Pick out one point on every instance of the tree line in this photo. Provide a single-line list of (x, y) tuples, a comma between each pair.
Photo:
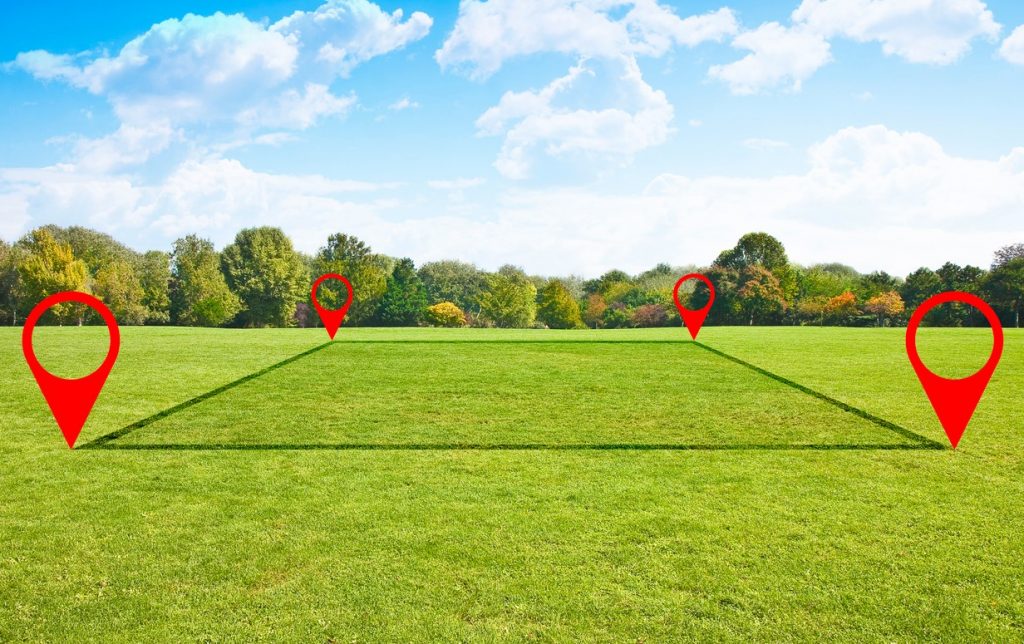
[(260, 280)]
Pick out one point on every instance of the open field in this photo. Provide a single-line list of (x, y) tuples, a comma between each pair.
[(419, 484)]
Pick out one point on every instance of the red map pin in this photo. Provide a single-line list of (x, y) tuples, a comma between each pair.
[(954, 400), (332, 319), (694, 319), (70, 399)]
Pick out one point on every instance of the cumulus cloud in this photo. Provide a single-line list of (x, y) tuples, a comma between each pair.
[(920, 31), (778, 55), (486, 34), (552, 117), (1012, 48), (230, 70), (871, 196)]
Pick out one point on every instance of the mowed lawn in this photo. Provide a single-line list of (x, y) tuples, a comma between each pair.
[(478, 484)]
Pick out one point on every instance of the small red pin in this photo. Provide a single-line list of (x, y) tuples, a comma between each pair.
[(332, 319), (694, 319), (954, 400), (70, 399)]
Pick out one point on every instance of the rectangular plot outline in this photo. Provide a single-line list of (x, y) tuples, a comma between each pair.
[(917, 441)]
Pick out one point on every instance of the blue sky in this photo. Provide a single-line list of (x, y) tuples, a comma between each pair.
[(560, 135)]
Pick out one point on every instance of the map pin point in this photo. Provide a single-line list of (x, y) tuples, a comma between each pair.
[(954, 400), (332, 319), (70, 399), (694, 319)]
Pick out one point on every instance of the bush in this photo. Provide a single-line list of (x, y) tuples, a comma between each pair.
[(650, 315), (445, 314), (617, 316)]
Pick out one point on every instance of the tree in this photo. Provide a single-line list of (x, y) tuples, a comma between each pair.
[(367, 272), (958, 278), (755, 249), (885, 306), (919, 286), (558, 308), (876, 283), (842, 308), (51, 267), (117, 285), (726, 308), (10, 257), (812, 308), (404, 299), (593, 312), (509, 300), (199, 294), (1007, 254), (155, 278), (94, 248), (452, 281), (761, 295), (266, 274), (445, 314), (1005, 287)]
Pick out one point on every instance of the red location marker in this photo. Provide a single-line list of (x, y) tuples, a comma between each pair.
[(954, 400), (70, 399), (694, 319), (332, 319)]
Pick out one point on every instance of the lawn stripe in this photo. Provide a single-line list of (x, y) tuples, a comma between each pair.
[(102, 441), (881, 422), (513, 447)]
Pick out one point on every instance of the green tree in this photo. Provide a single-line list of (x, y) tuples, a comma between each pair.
[(1007, 254), (405, 298), (1004, 286), (266, 274), (876, 283), (51, 267), (94, 248), (452, 281), (10, 257), (958, 278), (117, 285), (199, 294), (366, 271), (761, 295), (755, 249), (919, 286), (155, 278), (509, 300), (558, 308)]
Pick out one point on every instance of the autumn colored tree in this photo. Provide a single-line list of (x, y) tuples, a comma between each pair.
[(842, 307), (445, 314), (593, 312), (761, 295), (885, 306)]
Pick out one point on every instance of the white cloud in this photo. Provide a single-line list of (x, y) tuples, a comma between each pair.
[(778, 56), (403, 104), (1012, 48), (486, 34), (227, 70), (920, 31), (455, 184), (762, 145), (344, 33), (872, 197), (640, 118)]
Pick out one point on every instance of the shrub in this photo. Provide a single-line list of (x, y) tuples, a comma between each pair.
[(445, 314), (650, 315)]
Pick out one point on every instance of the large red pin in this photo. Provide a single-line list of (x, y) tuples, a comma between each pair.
[(954, 400), (332, 319), (70, 399), (694, 319)]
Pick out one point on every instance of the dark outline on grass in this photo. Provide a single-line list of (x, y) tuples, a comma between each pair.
[(106, 442)]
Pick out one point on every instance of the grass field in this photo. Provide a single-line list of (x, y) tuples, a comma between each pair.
[(418, 484)]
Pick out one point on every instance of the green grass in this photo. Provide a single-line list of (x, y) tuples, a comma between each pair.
[(562, 538)]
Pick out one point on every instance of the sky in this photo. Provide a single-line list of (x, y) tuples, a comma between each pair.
[(563, 136)]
